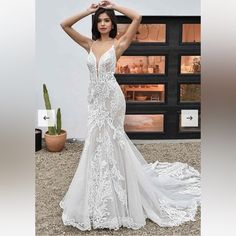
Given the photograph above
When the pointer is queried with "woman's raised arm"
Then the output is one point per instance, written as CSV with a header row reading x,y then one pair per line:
x,y
66,25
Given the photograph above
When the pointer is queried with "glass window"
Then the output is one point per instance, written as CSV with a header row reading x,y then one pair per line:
x,y
190,64
145,32
140,65
191,33
144,92
190,93
144,123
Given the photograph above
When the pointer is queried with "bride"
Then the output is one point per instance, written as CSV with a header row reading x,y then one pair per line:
x,y
113,185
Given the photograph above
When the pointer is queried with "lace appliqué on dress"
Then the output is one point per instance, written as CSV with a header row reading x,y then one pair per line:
x,y
103,176
177,215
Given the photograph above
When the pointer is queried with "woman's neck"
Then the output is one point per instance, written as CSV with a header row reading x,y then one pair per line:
x,y
105,39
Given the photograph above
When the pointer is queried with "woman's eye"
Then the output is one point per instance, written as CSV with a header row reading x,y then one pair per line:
x,y
99,21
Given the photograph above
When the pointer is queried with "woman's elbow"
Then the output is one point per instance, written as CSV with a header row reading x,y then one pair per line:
x,y
63,25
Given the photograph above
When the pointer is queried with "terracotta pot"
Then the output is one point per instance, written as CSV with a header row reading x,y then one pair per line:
x,y
55,143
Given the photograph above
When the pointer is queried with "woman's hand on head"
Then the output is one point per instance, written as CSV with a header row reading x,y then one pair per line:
x,y
107,4
93,7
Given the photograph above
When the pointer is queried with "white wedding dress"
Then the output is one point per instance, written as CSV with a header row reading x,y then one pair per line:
x,y
113,185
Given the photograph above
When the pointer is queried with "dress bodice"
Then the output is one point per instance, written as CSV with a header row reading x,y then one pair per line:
x,y
104,68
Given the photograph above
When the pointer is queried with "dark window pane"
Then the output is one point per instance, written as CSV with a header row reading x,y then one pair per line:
x,y
190,93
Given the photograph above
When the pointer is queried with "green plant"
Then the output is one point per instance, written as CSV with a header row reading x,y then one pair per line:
x,y
58,121
52,130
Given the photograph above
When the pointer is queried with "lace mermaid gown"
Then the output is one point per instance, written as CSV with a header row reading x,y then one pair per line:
x,y
113,185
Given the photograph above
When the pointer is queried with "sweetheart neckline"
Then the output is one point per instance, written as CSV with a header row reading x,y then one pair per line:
x,y
98,62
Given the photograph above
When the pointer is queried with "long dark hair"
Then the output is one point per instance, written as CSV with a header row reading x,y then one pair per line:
x,y
95,33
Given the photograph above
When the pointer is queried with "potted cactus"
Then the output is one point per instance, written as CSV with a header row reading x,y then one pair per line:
x,y
55,137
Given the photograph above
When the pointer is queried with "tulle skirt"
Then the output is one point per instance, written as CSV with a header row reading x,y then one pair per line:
x,y
114,186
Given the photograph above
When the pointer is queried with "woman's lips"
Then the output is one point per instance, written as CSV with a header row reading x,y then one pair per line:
x,y
102,28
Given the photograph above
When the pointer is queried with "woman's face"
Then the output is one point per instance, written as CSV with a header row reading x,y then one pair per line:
x,y
104,23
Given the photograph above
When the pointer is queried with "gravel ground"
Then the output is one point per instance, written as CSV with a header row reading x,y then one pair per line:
x,y
54,172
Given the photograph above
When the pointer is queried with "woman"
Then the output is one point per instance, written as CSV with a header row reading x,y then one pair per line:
x,y
113,185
